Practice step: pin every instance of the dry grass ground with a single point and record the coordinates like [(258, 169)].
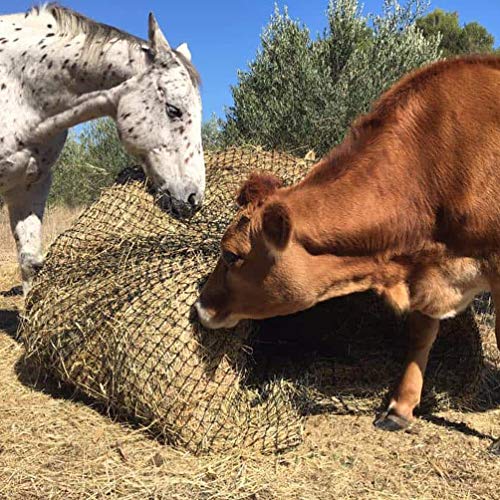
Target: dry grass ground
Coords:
[(56, 446)]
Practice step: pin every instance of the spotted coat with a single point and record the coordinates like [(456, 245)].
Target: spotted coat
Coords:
[(59, 68)]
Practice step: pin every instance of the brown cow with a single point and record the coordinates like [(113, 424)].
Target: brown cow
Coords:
[(408, 205)]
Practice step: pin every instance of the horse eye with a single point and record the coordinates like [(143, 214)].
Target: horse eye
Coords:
[(173, 112), (230, 258)]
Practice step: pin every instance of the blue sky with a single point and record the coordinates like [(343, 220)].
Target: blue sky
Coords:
[(223, 35)]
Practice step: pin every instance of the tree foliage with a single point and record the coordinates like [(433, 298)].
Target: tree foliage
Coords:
[(211, 133), (88, 163), (301, 93), (456, 39)]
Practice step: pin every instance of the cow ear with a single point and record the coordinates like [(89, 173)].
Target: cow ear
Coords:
[(257, 188), (277, 225)]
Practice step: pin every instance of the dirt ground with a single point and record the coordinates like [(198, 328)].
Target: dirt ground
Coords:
[(56, 446)]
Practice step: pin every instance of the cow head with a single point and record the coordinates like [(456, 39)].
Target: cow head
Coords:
[(266, 268)]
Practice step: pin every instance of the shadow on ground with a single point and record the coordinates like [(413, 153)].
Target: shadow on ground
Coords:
[(352, 350), (9, 321), (34, 376)]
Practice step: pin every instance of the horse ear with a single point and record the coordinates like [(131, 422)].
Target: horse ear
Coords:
[(277, 225), (184, 50), (157, 40), (257, 188)]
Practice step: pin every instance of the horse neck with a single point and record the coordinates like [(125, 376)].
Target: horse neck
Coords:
[(54, 69), (104, 66)]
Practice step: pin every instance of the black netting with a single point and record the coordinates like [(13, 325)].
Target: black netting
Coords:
[(111, 314)]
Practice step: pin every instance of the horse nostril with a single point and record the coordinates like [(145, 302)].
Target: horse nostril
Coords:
[(192, 200)]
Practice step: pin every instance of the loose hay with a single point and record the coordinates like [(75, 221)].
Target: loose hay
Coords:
[(111, 315)]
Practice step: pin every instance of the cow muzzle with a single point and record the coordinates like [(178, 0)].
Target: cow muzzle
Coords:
[(209, 319)]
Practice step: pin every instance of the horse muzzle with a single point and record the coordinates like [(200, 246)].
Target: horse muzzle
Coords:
[(179, 208)]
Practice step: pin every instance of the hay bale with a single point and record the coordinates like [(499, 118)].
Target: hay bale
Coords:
[(111, 314)]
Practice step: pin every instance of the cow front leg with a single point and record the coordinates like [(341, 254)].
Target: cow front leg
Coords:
[(26, 207), (423, 331)]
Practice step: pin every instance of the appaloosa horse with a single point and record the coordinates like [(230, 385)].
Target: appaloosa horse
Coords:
[(59, 68)]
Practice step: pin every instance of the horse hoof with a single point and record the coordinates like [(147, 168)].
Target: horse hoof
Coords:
[(495, 448), (389, 421)]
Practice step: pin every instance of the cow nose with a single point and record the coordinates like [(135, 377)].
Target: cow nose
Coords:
[(204, 315)]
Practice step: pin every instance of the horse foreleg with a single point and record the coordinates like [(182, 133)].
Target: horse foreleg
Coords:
[(26, 208), (423, 331)]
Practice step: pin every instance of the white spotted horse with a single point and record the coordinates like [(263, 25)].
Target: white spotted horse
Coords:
[(58, 69)]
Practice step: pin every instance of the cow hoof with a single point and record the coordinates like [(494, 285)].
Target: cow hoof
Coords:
[(495, 448), (390, 421)]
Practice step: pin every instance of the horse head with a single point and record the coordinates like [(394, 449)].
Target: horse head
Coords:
[(159, 120)]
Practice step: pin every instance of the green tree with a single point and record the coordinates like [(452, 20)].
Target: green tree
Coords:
[(211, 133), (88, 163), (300, 94), (456, 39)]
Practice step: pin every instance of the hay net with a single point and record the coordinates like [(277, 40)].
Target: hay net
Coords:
[(111, 315)]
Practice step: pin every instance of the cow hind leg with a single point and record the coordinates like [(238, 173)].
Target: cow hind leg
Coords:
[(423, 331)]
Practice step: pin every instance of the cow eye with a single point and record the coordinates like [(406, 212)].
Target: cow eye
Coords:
[(173, 112), (230, 257)]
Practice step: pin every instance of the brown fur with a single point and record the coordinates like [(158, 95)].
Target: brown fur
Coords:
[(257, 188), (408, 205)]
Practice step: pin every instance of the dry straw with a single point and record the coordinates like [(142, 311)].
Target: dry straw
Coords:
[(111, 315)]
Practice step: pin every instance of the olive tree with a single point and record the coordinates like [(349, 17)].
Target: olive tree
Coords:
[(301, 93), (89, 162)]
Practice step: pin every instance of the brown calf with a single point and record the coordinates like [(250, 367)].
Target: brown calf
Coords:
[(407, 205)]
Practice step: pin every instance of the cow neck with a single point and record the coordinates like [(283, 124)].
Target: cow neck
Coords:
[(360, 205)]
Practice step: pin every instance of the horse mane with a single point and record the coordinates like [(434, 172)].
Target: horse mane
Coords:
[(73, 23)]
